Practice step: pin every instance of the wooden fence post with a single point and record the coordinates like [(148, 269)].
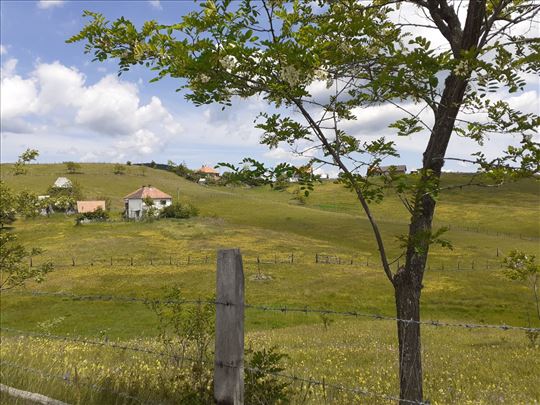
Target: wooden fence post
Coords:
[(72, 261), (229, 353)]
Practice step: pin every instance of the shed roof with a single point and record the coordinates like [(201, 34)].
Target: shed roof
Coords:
[(62, 182), (147, 191), (89, 206)]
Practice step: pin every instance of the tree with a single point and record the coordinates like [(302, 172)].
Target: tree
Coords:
[(366, 58), (73, 167), (14, 263), (523, 267), (29, 205), (26, 157), (119, 169), (8, 204)]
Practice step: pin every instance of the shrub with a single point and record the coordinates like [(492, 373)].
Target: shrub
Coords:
[(119, 169), (262, 385), (73, 167), (179, 210), (97, 215)]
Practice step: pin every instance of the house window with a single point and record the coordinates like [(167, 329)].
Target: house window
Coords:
[(163, 202)]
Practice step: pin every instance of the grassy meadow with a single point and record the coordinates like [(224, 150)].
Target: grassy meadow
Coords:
[(461, 366)]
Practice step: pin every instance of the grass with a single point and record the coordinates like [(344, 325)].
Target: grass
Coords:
[(461, 366)]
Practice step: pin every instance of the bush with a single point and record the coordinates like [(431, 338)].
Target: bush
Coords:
[(97, 215), (262, 385), (73, 167), (119, 169), (179, 210)]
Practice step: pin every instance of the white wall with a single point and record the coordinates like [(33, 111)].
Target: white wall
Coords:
[(136, 204)]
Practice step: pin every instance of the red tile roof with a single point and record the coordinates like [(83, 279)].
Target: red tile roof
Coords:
[(89, 206), (208, 170), (148, 191)]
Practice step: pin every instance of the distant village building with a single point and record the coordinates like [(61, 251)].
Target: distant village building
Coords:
[(90, 206), (46, 210), (307, 169), (63, 182), (398, 169), (134, 202), (207, 172)]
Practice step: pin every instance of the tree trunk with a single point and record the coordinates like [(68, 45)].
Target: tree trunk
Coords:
[(407, 293)]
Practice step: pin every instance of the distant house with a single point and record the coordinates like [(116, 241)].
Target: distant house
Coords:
[(89, 206), (135, 205), (307, 169), (47, 209), (208, 172), (63, 182), (398, 169)]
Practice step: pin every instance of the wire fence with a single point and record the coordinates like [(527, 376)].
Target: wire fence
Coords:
[(279, 308), (275, 308), (293, 258), (240, 307)]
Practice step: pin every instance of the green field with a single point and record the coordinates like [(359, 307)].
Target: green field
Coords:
[(461, 366)]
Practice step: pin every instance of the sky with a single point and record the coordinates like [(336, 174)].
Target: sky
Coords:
[(55, 99)]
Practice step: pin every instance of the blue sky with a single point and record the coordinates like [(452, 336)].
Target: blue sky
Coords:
[(69, 108)]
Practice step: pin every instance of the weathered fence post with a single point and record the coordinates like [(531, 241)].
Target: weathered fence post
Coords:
[(31, 263), (229, 353), (72, 261), (316, 258)]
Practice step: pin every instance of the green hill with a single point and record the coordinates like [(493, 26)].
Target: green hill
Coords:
[(97, 259)]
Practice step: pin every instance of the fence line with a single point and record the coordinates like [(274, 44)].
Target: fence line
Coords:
[(282, 309), (70, 381), (298, 259)]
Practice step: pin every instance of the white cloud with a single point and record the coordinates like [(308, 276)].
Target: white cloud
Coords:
[(155, 4), (284, 155), (18, 95), (59, 100), (3, 49), (45, 4)]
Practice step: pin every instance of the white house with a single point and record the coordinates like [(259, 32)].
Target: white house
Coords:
[(135, 205), (63, 182)]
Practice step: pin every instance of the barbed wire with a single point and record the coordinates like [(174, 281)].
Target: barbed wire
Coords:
[(324, 384), (310, 381), (68, 380), (356, 314), (100, 343), (284, 309)]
